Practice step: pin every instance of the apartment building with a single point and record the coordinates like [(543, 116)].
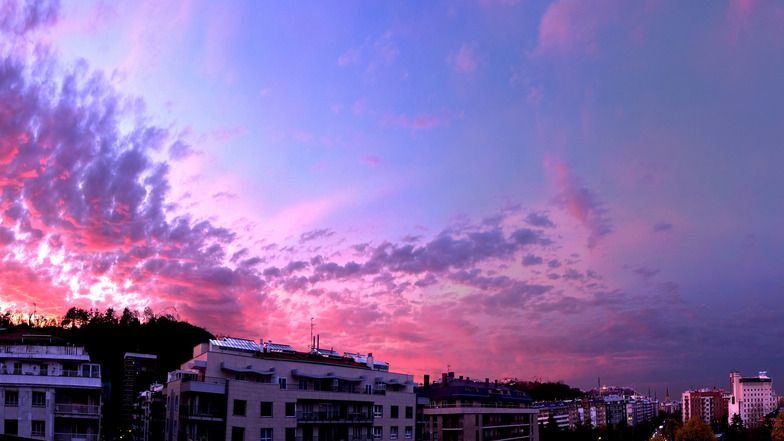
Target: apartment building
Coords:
[(587, 413), (709, 405), (138, 375), (236, 389), (751, 397), (467, 410), (49, 389)]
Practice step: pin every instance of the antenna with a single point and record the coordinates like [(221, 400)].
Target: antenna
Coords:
[(311, 333)]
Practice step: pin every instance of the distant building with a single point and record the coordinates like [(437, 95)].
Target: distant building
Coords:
[(236, 389), (709, 405), (149, 414), (49, 389), (557, 410), (588, 413), (138, 374), (751, 397), (467, 410)]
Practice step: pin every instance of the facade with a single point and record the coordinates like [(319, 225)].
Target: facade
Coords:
[(558, 410), (236, 389), (50, 390), (149, 414), (587, 413), (751, 397), (466, 410), (138, 375), (709, 405)]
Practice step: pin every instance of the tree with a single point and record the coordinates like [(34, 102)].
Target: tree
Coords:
[(778, 428), (672, 428), (695, 430)]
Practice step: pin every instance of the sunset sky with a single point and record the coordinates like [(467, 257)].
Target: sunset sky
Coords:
[(559, 190)]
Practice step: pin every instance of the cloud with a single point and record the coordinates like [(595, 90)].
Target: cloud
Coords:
[(464, 60), (349, 57), (371, 161), (530, 260), (580, 201), (20, 17), (662, 226), (419, 122), (539, 220)]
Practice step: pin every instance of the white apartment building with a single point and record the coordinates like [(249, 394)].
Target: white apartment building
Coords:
[(751, 397), (48, 389), (238, 390)]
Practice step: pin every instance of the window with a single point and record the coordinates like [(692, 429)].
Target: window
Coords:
[(303, 384), (239, 377), (409, 411), (17, 368), (368, 388), (39, 429), (11, 398), (266, 408), (410, 432), (11, 427), (266, 435), (237, 434), (378, 411), (176, 403), (435, 436), (378, 432), (393, 411), (39, 399), (393, 432), (239, 407), (291, 433), (316, 385), (282, 382), (291, 409), (44, 369)]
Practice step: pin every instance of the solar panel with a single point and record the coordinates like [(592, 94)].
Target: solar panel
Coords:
[(276, 347), (236, 343)]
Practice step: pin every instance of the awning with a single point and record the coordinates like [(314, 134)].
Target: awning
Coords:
[(247, 370), (328, 376)]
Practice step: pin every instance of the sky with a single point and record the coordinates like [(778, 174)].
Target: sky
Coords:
[(563, 190)]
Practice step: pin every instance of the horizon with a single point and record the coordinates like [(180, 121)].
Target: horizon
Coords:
[(548, 189)]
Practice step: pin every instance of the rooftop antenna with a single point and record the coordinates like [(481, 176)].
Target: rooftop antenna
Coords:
[(311, 334)]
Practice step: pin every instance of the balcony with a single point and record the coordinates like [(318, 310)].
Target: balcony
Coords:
[(75, 437), (333, 417), (201, 413), (78, 410)]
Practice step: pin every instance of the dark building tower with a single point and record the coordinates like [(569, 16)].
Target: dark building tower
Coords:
[(138, 375)]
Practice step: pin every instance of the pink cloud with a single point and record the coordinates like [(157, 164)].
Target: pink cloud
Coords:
[(372, 161), (360, 106), (579, 201), (349, 57), (419, 122), (464, 60), (226, 134)]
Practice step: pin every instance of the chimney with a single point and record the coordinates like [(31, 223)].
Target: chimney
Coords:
[(427, 380), (461, 377), (444, 378), (370, 360), (487, 383), (318, 341)]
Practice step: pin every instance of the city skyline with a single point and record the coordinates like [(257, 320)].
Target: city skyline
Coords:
[(564, 190)]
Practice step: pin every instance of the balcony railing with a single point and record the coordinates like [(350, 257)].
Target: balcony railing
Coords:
[(470, 404), (200, 412), (40, 349), (77, 409), (75, 437), (43, 373), (334, 417)]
